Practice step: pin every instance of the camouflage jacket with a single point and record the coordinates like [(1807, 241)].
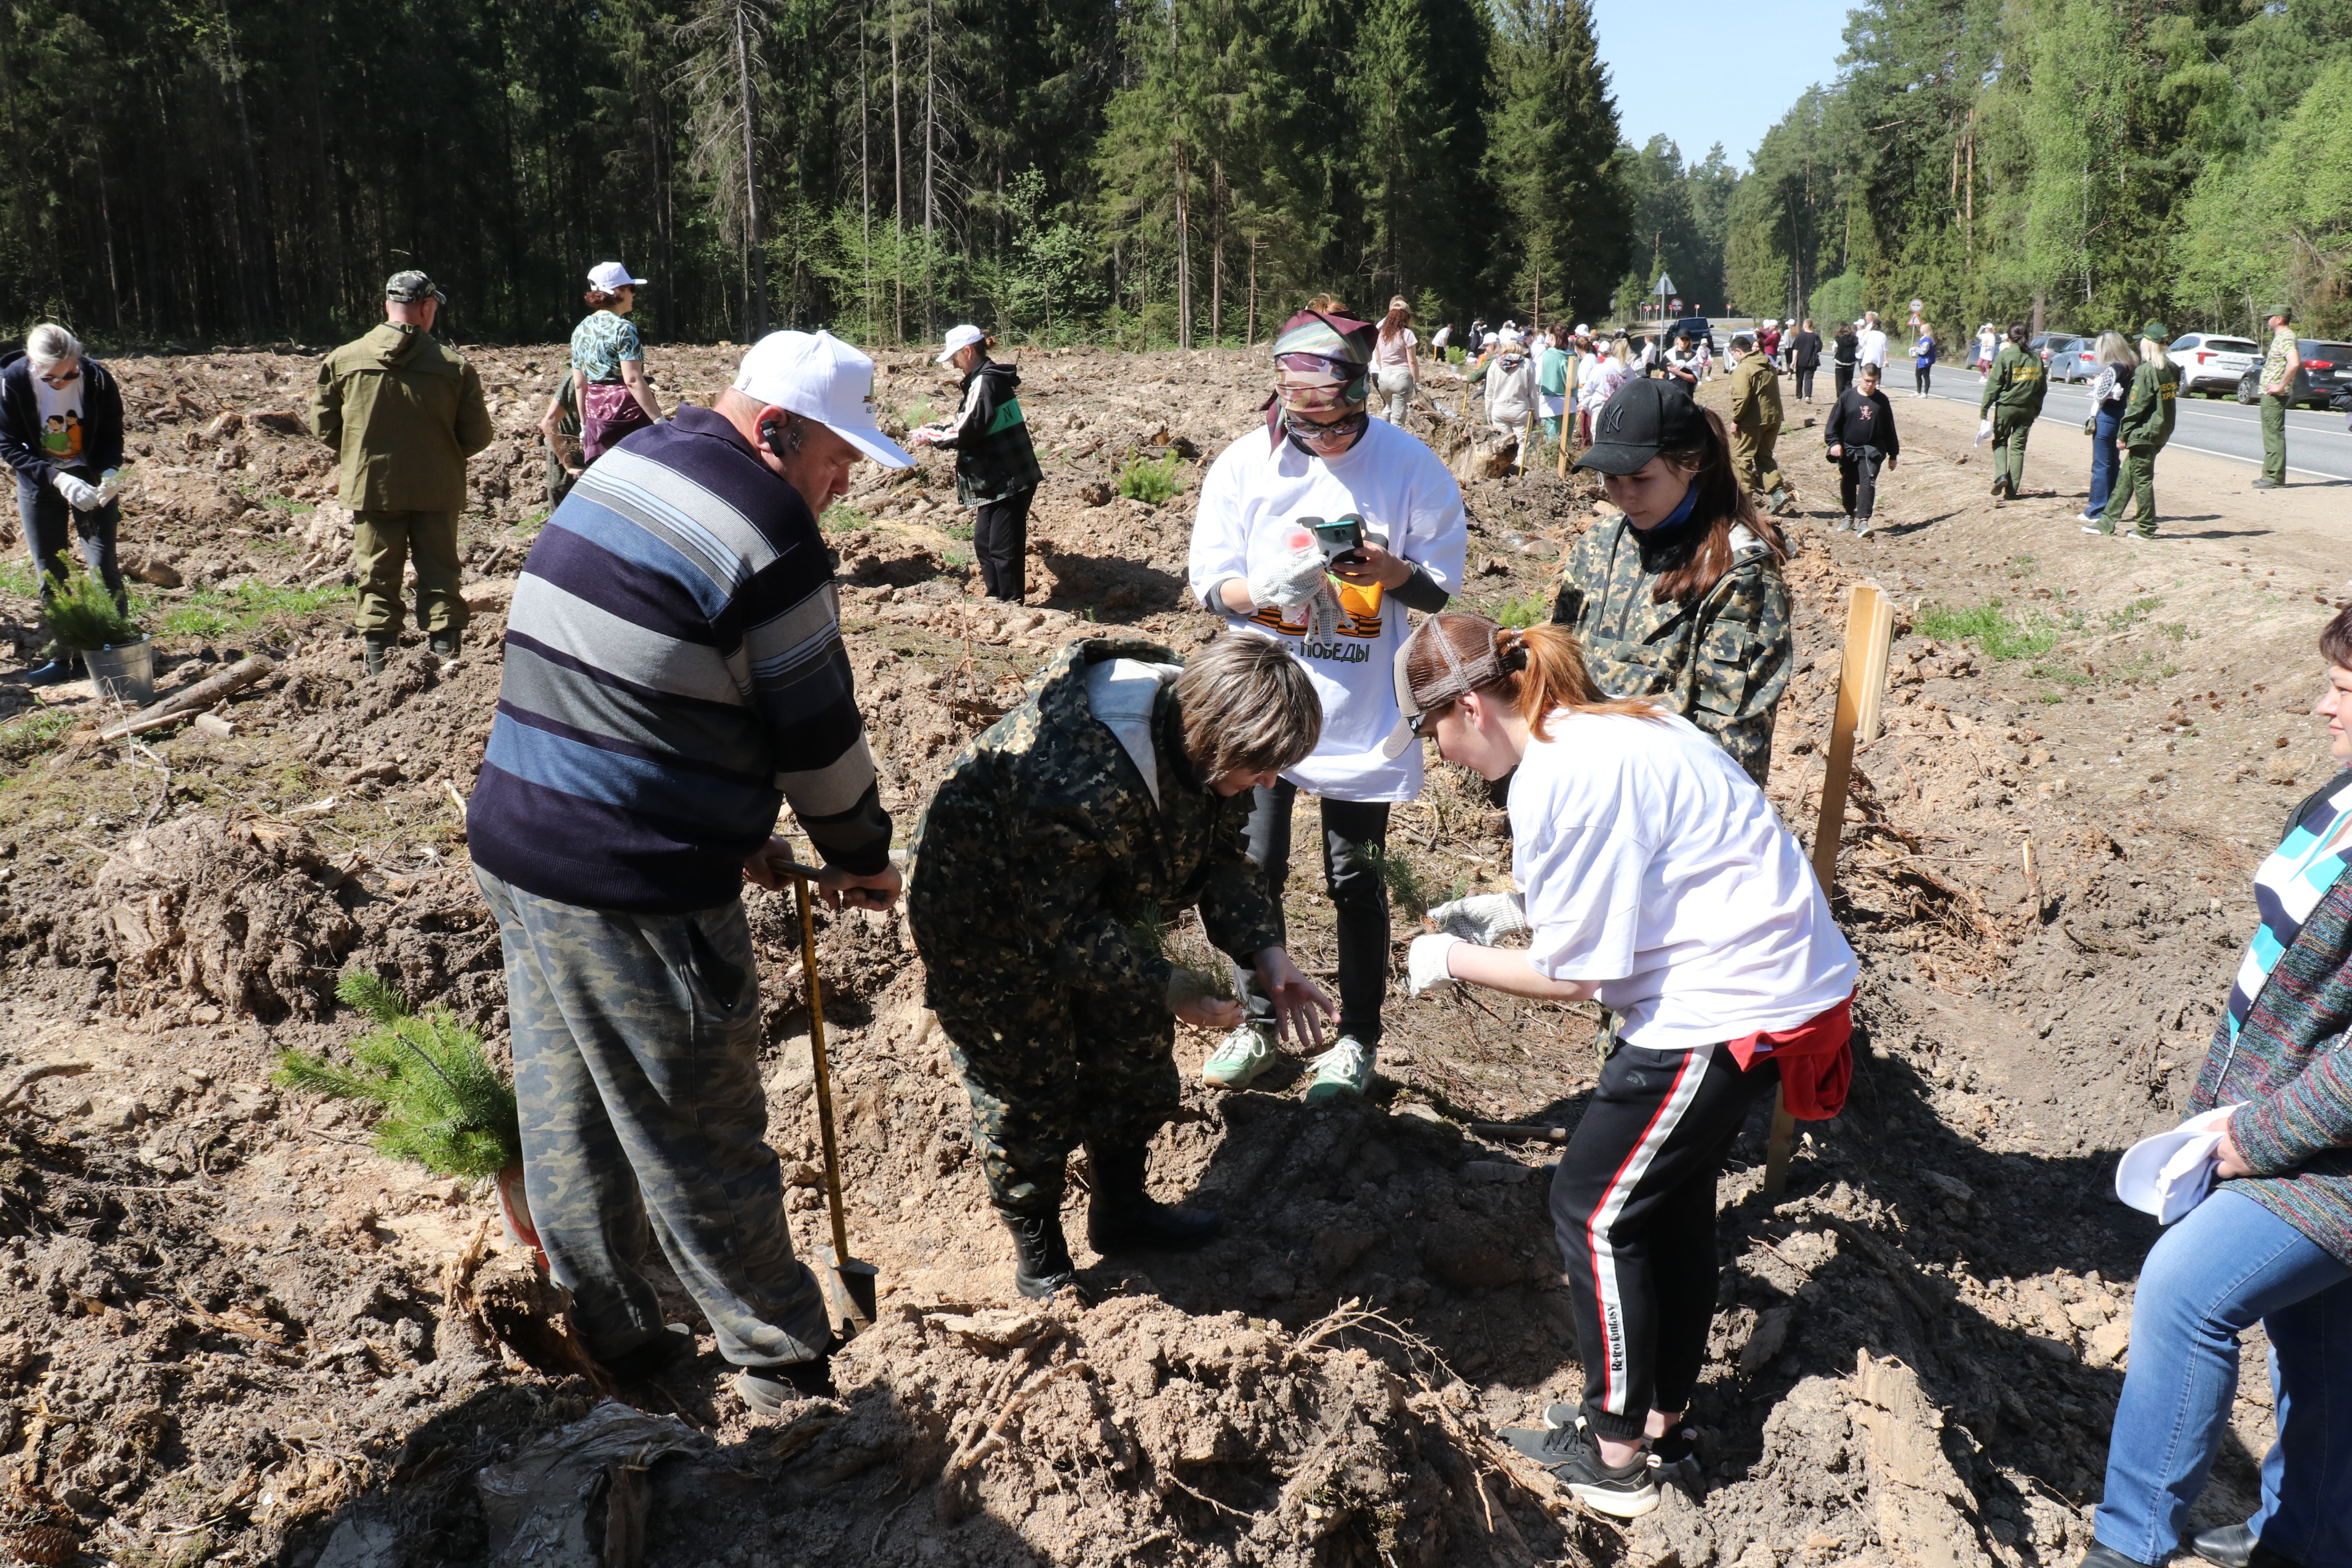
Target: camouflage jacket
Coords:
[(1722, 662), (2016, 384), (1755, 393), (1042, 849)]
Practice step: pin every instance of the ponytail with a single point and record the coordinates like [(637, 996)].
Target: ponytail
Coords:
[(1542, 670)]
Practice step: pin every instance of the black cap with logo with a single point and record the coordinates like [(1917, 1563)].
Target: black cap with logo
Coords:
[(1640, 419)]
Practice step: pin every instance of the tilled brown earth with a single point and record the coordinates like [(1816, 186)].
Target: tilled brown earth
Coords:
[(233, 1334)]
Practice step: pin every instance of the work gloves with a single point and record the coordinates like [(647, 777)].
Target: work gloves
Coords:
[(1483, 918), (1289, 581), (1426, 967), (110, 485), (80, 495)]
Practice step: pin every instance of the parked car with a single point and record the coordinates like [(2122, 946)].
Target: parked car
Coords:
[(2213, 363), (1700, 330), (2049, 345), (2078, 362), (2327, 370)]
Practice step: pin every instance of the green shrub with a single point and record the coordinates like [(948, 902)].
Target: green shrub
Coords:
[(1522, 613), (1996, 633), (1145, 480), (444, 1105), (83, 615)]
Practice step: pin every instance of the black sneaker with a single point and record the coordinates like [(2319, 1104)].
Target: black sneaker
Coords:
[(767, 1390), (1573, 1454)]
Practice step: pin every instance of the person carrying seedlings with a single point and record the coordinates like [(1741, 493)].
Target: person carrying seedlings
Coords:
[(1060, 845), (672, 677), (2141, 433), (1756, 422), (996, 467), (1680, 596), (2012, 401), (1655, 876), (403, 412), (1860, 437), (68, 476), (2272, 1241), (1391, 540)]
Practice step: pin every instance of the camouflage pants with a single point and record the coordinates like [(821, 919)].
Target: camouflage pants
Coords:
[(1050, 1070), (636, 1052), (1752, 461)]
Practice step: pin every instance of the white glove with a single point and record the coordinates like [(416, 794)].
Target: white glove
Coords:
[(80, 496), (1426, 968), (1984, 429), (1483, 918), (110, 485), (1288, 581)]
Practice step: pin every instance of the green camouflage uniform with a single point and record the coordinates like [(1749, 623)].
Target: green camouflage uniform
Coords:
[(1041, 850), (1721, 663), (2275, 373), (2145, 427), (2012, 396), (1756, 422), (636, 1056)]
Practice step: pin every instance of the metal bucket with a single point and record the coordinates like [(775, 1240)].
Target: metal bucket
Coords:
[(125, 674)]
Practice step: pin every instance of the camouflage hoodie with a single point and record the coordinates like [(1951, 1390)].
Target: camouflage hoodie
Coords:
[(1044, 846)]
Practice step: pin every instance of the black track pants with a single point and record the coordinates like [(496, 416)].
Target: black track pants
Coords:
[(1000, 538), (1633, 1206)]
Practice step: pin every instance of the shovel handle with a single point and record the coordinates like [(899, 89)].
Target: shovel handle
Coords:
[(817, 1059)]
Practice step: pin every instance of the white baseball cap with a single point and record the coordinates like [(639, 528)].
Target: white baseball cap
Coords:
[(819, 377), (2169, 1175), (1582, 331), (612, 276), (960, 339)]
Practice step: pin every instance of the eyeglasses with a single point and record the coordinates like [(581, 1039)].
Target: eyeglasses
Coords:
[(1345, 429), (1319, 365)]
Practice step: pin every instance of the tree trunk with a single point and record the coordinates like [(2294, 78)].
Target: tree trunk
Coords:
[(930, 36), (898, 207), (758, 314), (1216, 251), (252, 227), (1183, 256), (864, 163)]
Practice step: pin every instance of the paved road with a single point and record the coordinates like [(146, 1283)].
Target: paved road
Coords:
[(2318, 446)]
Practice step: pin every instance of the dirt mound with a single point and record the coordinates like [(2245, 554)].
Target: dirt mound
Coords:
[(237, 909)]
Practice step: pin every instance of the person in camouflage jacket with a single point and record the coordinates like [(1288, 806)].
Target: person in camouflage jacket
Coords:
[(1680, 597), (1057, 851)]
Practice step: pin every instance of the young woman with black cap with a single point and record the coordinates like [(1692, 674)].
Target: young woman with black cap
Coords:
[(1679, 597), (1655, 876)]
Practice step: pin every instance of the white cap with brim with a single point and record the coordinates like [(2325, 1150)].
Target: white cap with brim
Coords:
[(612, 276), (2169, 1175), (818, 376), (960, 339)]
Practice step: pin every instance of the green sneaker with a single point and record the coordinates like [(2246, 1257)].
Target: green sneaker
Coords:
[(1345, 1069), (1247, 1052)]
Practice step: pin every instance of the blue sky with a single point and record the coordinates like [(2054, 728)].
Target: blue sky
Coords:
[(1704, 71)]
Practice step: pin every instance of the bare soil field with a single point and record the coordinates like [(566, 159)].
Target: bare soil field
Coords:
[(233, 1333)]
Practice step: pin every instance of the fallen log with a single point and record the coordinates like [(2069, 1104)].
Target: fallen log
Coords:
[(189, 699)]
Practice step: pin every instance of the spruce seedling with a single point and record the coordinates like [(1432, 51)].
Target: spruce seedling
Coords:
[(83, 615), (442, 1104)]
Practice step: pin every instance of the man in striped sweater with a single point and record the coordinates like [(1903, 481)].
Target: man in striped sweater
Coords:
[(674, 676)]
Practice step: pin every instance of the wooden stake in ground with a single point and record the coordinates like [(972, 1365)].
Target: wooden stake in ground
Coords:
[(1861, 680)]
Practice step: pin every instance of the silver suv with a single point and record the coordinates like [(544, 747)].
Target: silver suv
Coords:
[(2211, 363)]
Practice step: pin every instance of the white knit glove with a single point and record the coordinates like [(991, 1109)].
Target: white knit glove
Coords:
[(1984, 428), (110, 485), (79, 495), (1483, 918), (1426, 968), (1287, 581)]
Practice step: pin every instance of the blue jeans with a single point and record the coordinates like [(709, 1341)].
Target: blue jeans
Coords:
[(2229, 1264), (2105, 460)]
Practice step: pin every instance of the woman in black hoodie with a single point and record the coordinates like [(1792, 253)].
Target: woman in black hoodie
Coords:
[(996, 468), (1861, 435)]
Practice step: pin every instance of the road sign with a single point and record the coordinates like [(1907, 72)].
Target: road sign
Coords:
[(1677, 305), (1917, 306)]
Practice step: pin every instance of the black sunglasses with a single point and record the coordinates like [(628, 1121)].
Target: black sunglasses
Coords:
[(1307, 429)]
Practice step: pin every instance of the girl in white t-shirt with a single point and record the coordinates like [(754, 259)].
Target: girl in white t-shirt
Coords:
[(1393, 354), (1655, 876)]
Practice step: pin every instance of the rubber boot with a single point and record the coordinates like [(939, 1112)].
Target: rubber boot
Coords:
[(63, 666), (442, 644), (1041, 1264), (373, 650), (1122, 1214), (2230, 1546), (2102, 1555)]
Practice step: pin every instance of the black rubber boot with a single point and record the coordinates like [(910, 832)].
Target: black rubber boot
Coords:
[(442, 644), (374, 650), (1041, 1264), (2102, 1555), (1124, 1215), (2229, 1545)]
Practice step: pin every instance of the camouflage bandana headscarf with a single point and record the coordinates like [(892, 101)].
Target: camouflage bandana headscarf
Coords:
[(1341, 384)]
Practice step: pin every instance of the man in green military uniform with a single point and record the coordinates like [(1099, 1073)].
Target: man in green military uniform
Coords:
[(2012, 401), (2282, 368), (1059, 848), (403, 413), (1754, 424), (2145, 427)]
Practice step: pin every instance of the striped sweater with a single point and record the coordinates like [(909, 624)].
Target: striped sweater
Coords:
[(674, 674), (2282, 1053)]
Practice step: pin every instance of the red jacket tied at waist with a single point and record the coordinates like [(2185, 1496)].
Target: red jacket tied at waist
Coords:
[(1816, 1061)]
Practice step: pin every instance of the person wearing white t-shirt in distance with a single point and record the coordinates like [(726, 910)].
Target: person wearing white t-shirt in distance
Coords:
[(1655, 876), (1339, 607), (1870, 345), (1393, 361)]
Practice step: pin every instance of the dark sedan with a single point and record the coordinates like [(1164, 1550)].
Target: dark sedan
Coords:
[(2326, 371)]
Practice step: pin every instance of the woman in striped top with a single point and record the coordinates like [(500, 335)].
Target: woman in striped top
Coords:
[(2274, 1243)]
